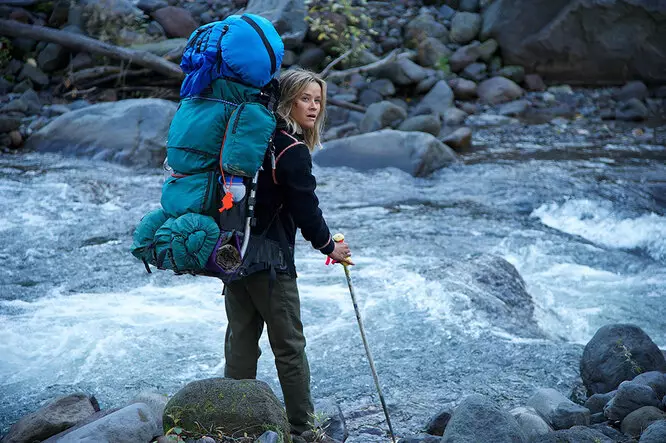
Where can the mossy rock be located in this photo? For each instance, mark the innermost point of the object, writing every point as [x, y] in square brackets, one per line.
[230, 407]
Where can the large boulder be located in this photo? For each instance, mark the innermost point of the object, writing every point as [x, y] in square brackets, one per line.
[478, 419]
[129, 132]
[498, 90]
[437, 101]
[135, 422]
[227, 405]
[617, 353]
[57, 416]
[381, 115]
[417, 153]
[634, 423]
[531, 422]
[655, 433]
[288, 17]
[576, 41]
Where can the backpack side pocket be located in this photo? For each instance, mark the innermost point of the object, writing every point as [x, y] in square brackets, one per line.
[190, 193]
[248, 135]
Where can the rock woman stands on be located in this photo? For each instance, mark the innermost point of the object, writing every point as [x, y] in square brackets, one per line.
[286, 201]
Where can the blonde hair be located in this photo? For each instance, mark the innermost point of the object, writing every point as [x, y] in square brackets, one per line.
[292, 84]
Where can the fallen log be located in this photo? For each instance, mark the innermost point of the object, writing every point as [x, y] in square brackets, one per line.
[347, 105]
[82, 43]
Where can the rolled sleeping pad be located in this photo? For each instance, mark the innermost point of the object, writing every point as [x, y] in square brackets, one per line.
[193, 238]
[144, 235]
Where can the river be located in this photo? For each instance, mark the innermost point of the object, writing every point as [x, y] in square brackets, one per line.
[581, 215]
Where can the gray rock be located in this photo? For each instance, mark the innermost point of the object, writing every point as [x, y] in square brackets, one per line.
[433, 53]
[333, 421]
[420, 439]
[426, 84]
[437, 423]
[129, 132]
[616, 353]
[459, 140]
[469, 5]
[463, 89]
[531, 423]
[288, 17]
[156, 402]
[465, 26]
[383, 86]
[34, 74]
[177, 22]
[633, 110]
[404, 72]
[597, 418]
[478, 419]
[417, 153]
[552, 38]
[634, 423]
[344, 130]
[534, 82]
[597, 402]
[268, 437]
[14, 106]
[381, 115]
[655, 433]
[31, 101]
[9, 123]
[438, 100]
[557, 410]
[369, 97]
[422, 27]
[498, 90]
[635, 89]
[5, 85]
[514, 109]
[487, 49]
[515, 73]
[630, 396]
[312, 57]
[654, 379]
[53, 57]
[149, 6]
[447, 12]
[482, 120]
[577, 434]
[609, 431]
[453, 117]
[422, 123]
[226, 405]
[135, 422]
[475, 72]
[464, 56]
[60, 414]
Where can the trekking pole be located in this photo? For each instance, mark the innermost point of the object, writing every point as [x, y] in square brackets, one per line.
[339, 238]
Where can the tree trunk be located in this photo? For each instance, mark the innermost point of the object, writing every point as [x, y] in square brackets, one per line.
[82, 43]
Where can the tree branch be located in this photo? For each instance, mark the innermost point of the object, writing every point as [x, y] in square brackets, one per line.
[391, 57]
[344, 104]
[82, 43]
[330, 66]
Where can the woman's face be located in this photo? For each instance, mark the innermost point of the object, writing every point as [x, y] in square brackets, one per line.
[307, 106]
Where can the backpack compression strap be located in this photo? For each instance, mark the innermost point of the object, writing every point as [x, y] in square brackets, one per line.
[296, 142]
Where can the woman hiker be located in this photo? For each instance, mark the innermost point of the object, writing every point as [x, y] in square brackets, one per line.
[286, 201]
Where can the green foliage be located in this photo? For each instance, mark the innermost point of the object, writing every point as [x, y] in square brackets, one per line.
[443, 65]
[107, 26]
[316, 425]
[326, 17]
[628, 357]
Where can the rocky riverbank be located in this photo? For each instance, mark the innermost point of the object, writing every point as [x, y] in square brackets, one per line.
[450, 77]
[622, 398]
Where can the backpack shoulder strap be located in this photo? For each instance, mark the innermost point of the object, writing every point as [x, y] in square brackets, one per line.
[295, 143]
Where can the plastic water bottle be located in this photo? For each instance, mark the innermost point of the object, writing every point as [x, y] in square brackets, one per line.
[236, 186]
[168, 170]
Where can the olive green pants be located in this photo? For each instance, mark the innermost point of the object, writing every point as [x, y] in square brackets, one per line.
[249, 305]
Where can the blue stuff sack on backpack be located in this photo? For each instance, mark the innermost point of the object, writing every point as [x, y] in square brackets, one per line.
[220, 50]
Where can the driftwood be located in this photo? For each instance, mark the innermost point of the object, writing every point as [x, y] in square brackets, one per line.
[86, 44]
[393, 56]
[330, 66]
[344, 104]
